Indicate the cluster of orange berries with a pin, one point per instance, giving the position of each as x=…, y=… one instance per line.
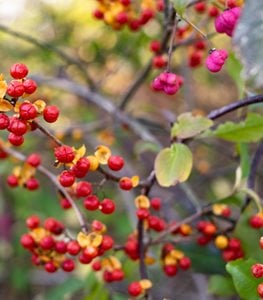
x=134, y=14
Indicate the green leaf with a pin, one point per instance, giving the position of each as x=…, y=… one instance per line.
x=189, y=125
x=221, y=286
x=245, y=283
x=248, y=42
x=173, y=165
x=250, y=130
x=180, y=6
x=233, y=199
x=243, y=151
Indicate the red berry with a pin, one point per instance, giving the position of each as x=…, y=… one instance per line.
x=115, y=163
x=15, y=89
x=81, y=167
x=200, y=45
x=12, y=181
x=156, y=203
x=27, y=111
x=146, y=15
x=47, y=242
x=234, y=244
x=160, y=5
x=125, y=2
x=91, y=202
x=210, y=229
x=256, y=221
x=228, y=255
x=53, y=226
x=3, y=154
x=17, y=126
x=83, y=189
x=257, y=270
x=213, y=11
x=66, y=178
x=200, y=7
x=170, y=270
x=15, y=140
x=203, y=240
x=122, y=17
x=32, y=184
x=34, y=160
x=107, y=243
x=135, y=289
x=98, y=14
x=4, y=121
x=30, y=86
x=185, y=263
x=51, y=113
x=68, y=265
x=142, y=213
x=64, y=154
x=50, y=267
x=73, y=248
x=260, y=289
x=156, y=223
x=134, y=24
x=125, y=184
x=155, y=46
x=97, y=226
x=107, y=276
x=18, y=71
x=61, y=247
x=195, y=59
x=27, y=241
x=65, y=204
x=84, y=259
x=32, y=222
x=107, y=206
x=159, y=62
x=261, y=242
x=96, y=265
x=117, y=275
x=90, y=252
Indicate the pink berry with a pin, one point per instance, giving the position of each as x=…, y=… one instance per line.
x=216, y=60
x=227, y=20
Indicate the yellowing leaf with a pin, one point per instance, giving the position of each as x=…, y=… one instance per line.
x=103, y=154
x=3, y=88
x=91, y=239
x=142, y=202
x=169, y=260
x=146, y=284
x=40, y=105
x=177, y=254
x=111, y=263
x=173, y=165
x=5, y=105
x=79, y=153
x=135, y=180
x=149, y=260
x=38, y=233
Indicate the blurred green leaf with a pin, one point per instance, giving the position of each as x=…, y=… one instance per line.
x=142, y=146
x=188, y=125
x=245, y=283
x=234, y=68
x=180, y=6
x=243, y=151
x=173, y=165
x=250, y=130
x=221, y=286
x=233, y=199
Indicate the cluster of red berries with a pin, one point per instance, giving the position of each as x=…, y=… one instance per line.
x=257, y=271
x=25, y=176
x=167, y=82
x=118, y=13
x=25, y=112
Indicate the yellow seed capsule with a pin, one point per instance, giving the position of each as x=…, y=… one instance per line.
x=94, y=163
x=103, y=154
x=218, y=209
x=177, y=254
x=186, y=229
x=77, y=134
x=146, y=284
x=221, y=242
x=142, y=202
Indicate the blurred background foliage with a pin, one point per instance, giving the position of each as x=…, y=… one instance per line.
x=34, y=32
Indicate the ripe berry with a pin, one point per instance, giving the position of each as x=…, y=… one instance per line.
x=216, y=60
x=64, y=203
x=135, y=289
x=159, y=62
x=210, y=229
x=15, y=140
x=96, y=265
x=200, y=45
x=125, y=183
x=90, y=252
x=66, y=178
x=115, y=163
x=4, y=121
x=32, y=184
x=30, y=86
x=256, y=221
x=68, y=265
x=227, y=20
x=27, y=241
x=195, y=59
x=170, y=270
x=122, y=17
x=53, y=226
x=117, y=275
x=156, y=223
x=156, y=203
x=260, y=289
x=64, y=154
x=73, y=248
x=142, y=213
x=27, y=111
x=185, y=263
x=257, y=270
x=91, y=202
x=107, y=243
x=34, y=160
x=15, y=89
x=82, y=165
x=61, y=247
x=32, y=222
x=12, y=181
x=98, y=14
x=234, y=243
x=155, y=46
x=50, y=267
x=17, y=126
x=200, y=7
x=125, y=2
x=47, y=242
x=134, y=24
x=51, y=113
x=18, y=71
x=228, y=255
x=107, y=206
x=261, y=242
x=84, y=259
x=146, y=15
x=213, y=12
x=83, y=189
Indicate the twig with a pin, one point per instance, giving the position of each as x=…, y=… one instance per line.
x=170, y=50
x=54, y=180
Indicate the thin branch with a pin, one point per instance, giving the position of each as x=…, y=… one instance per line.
x=55, y=182
x=44, y=45
x=214, y=114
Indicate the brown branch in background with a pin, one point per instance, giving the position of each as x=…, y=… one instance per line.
x=55, y=182
x=44, y=45
x=172, y=38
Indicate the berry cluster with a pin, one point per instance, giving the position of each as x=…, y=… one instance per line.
x=227, y=20
x=118, y=13
x=167, y=82
x=257, y=271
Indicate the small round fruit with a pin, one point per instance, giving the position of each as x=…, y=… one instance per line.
x=115, y=163
x=135, y=289
x=18, y=71
x=27, y=111
x=51, y=113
